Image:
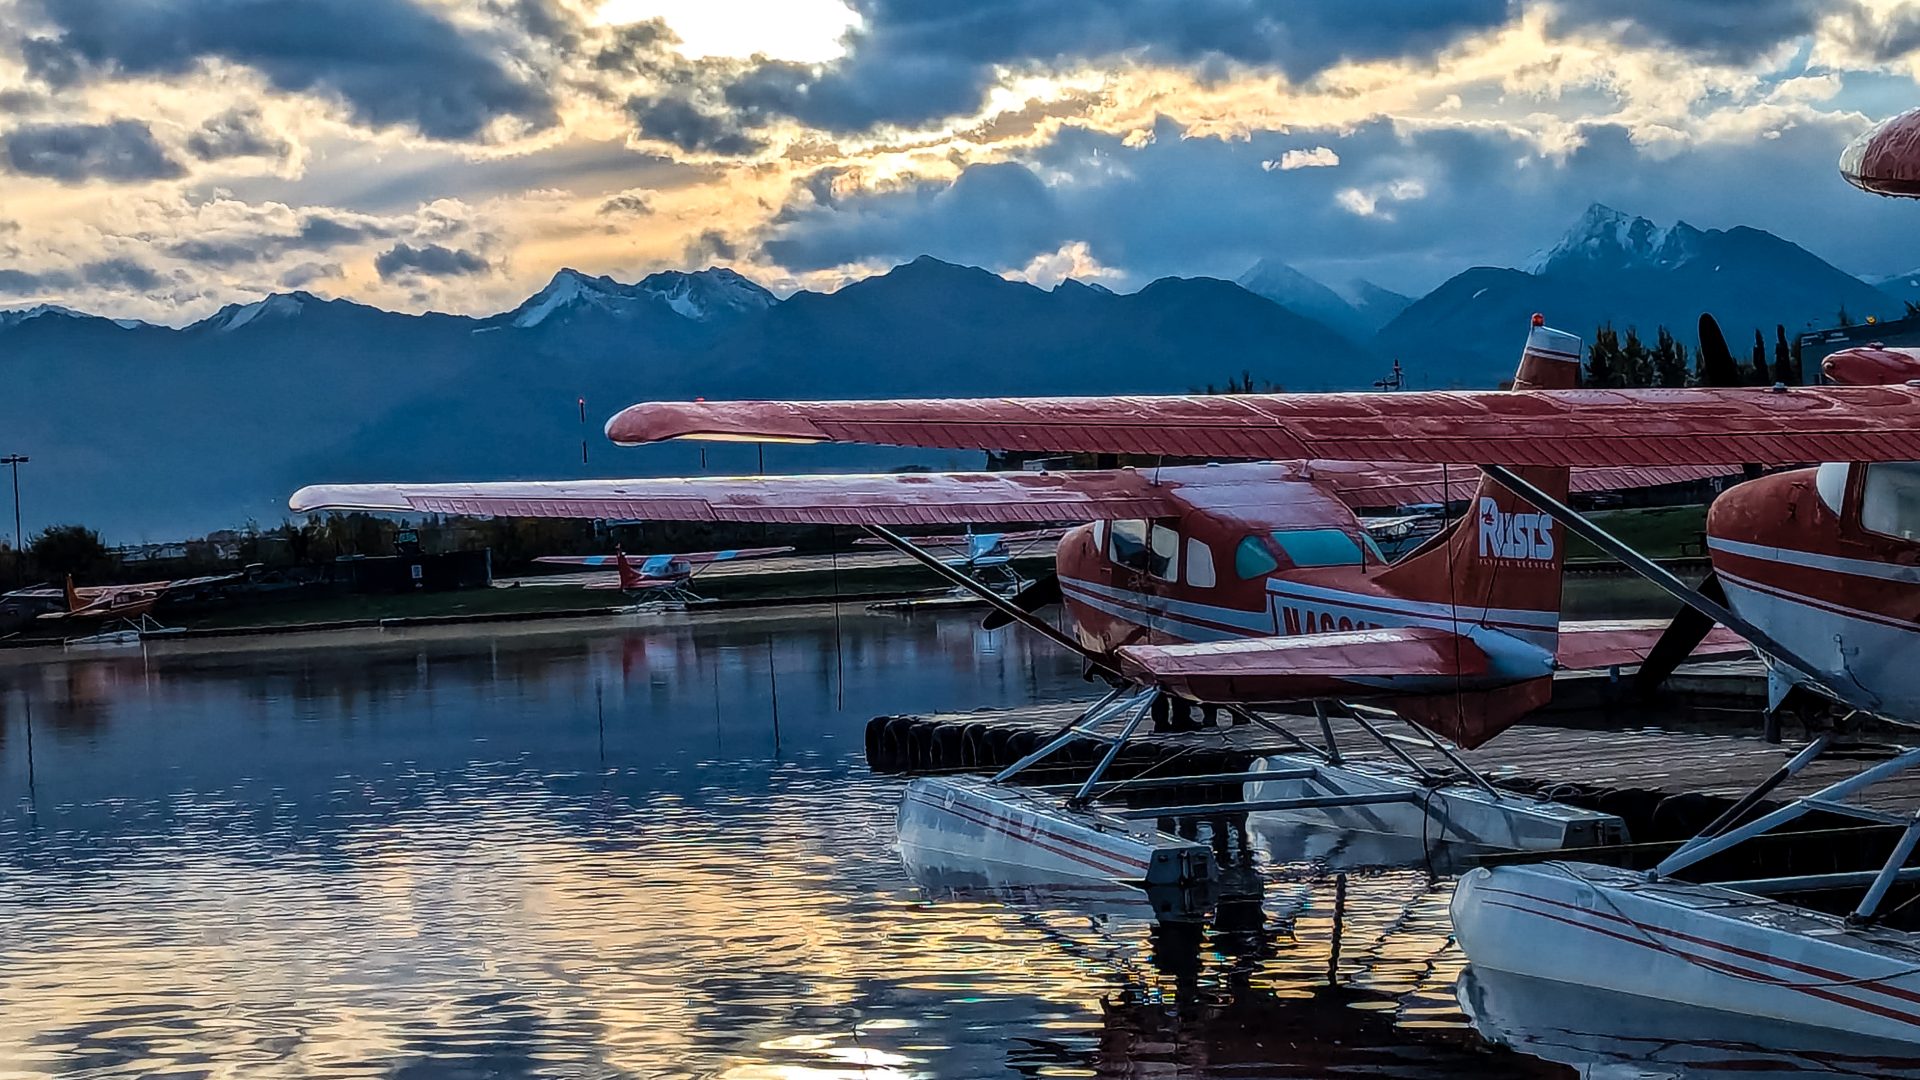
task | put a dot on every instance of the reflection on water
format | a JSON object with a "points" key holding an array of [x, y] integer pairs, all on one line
{"points": [[604, 851]]}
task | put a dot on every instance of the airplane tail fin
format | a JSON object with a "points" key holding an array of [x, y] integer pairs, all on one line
{"points": [[630, 579], [73, 596], [1498, 567]]}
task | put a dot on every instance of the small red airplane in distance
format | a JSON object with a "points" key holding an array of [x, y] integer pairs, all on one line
{"points": [[1246, 583], [129, 602], [663, 577]]}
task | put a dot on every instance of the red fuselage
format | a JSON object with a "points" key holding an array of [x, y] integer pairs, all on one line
{"points": [[1827, 560]]}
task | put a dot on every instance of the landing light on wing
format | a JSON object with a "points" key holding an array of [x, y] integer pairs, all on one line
{"points": [[719, 437]]}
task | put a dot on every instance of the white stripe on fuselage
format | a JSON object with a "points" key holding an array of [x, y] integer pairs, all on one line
{"points": [[1514, 652], [1542, 620], [1815, 561]]}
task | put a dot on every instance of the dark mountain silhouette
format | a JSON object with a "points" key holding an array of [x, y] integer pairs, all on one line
{"points": [[151, 432], [1611, 267]]}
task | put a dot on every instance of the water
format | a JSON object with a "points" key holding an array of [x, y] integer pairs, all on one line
{"points": [[595, 850]]}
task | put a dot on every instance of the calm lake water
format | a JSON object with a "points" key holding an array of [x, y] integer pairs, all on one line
{"points": [[593, 850]]}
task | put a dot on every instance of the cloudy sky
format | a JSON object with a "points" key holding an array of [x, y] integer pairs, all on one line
{"points": [[160, 158]]}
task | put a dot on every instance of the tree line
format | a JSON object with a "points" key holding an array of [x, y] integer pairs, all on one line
{"points": [[1618, 361], [321, 539]]}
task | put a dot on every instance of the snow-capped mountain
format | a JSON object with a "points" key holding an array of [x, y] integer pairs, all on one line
{"points": [[1302, 295], [1632, 273], [1376, 304], [1605, 238], [1904, 287], [39, 311], [704, 296], [707, 295], [278, 306]]}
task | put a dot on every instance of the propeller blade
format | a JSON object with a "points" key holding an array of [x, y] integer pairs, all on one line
{"points": [[1683, 635], [1044, 590], [1717, 365]]}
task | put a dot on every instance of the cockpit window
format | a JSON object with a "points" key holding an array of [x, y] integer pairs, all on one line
{"points": [[1252, 559], [1129, 543], [1830, 483], [1199, 563], [1890, 499], [1318, 547], [1164, 560]]}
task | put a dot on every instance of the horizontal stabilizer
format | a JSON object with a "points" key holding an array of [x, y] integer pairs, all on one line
{"points": [[1307, 666]]}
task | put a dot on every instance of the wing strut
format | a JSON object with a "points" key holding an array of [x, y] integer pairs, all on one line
{"points": [[1577, 524], [999, 603]]}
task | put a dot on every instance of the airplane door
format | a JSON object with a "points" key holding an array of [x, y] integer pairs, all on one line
{"points": [[1159, 577]]}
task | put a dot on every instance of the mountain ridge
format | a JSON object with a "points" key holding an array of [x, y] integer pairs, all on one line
{"points": [[214, 422]]}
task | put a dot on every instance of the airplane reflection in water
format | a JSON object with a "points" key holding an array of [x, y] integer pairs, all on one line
{"points": [[1319, 958], [1600, 1033]]}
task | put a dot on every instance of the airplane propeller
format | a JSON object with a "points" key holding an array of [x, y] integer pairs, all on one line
{"points": [[1689, 628], [1683, 635], [1041, 592], [1717, 365]]}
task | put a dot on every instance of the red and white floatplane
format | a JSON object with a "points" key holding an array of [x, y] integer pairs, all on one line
{"points": [[1224, 589], [1820, 569]]}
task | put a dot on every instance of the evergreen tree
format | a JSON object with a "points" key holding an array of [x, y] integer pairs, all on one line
{"points": [[1785, 368], [1842, 316], [1603, 359], [1669, 360], [1636, 360], [1762, 376]]}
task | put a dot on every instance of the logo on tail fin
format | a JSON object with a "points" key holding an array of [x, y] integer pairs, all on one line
{"points": [[1524, 538]]}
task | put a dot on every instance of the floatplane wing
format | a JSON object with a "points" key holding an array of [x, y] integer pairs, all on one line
{"points": [[1385, 485], [1576, 428], [888, 499], [910, 499]]}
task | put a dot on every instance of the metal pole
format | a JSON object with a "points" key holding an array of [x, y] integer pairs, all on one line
{"points": [[1747, 802], [1094, 717], [998, 602], [1326, 731], [1871, 902], [15, 461], [1081, 797], [1693, 853]]}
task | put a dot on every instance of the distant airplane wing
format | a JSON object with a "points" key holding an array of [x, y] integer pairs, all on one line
{"points": [[1311, 665], [1585, 645], [1472, 427], [1383, 485], [876, 499], [641, 562]]}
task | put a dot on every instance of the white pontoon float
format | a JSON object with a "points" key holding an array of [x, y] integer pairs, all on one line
{"points": [[1728, 946], [1057, 829]]}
